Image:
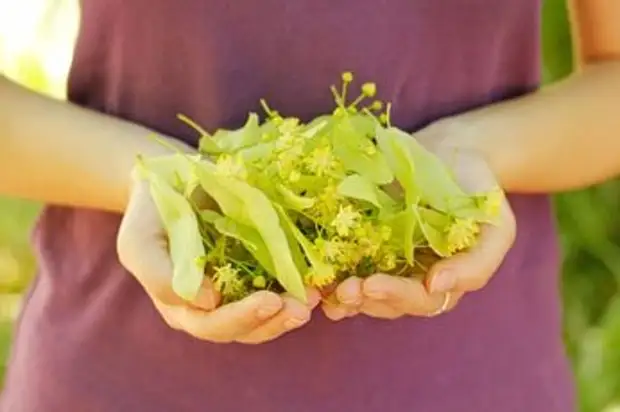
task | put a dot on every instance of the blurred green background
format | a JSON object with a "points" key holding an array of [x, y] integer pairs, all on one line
{"points": [[588, 219]]}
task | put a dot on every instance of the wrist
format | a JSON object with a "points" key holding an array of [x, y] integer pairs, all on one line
{"points": [[478, 134]]}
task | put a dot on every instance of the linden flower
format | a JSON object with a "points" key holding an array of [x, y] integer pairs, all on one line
{"points": [[388, 262], [316, 279], [352, 255], [226, 165], [259, 282], [369, 247], [330, 249], [376, 105], [327, 204], [321, 160], [462, 234], [346, 220], [294, 176], [369, 89], [227, 281]]}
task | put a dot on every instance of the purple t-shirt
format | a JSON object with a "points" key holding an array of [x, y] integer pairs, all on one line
{"points": [[90, 340]]}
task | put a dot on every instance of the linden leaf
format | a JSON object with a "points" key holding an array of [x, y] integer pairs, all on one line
{"points": [[210, 216], [403, 226], [294, 201], [229, 203], [233, 140], [249, 206], [358, 154], [173, 168], [208, 146], [184, 239], [436, 184], [434, 224], [309, 249], [401, 162], [250, 238], [258, 151], [357, 187]]}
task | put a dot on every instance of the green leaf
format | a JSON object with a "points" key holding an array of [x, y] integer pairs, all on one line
{"points": [[249, 206], [401, 162], [434, 180], [250, 238], [173, 168], [298, 255], [403, 226], [358, 187], [210, 216], [294, 201], [310, 250], [184, 239], [258, 151], [208, 146], [233, 140], [350, 146], [434, 224]]}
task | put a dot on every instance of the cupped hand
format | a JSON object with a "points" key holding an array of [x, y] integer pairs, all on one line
{"points": [[448, 280], [142, 250]]}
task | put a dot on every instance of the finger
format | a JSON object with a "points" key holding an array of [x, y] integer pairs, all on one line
{"points": [[472, 270], [380, 310], [406, 295], [345, 300], [349, 292], [143, 251], [334, 312], [293, 315], [337, 312], [450, 302], [228, 322]]}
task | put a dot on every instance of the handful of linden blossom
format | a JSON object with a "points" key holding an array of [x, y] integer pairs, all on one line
{"points": [[310, 204]]}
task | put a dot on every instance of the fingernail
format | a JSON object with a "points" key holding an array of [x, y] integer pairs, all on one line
{"points": [[267, 305], [351, 300], [266, 312], [443, 282], [293, 323], [338, 313], [376, 294]]}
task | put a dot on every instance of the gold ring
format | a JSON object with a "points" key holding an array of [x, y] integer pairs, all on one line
{"points": [[444, 306]]}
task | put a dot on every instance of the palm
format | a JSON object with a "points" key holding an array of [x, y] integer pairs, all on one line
{"points": [[392, 297]]}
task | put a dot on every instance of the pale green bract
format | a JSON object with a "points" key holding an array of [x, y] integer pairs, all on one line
{"points": [[184, 239], [299, 204]]}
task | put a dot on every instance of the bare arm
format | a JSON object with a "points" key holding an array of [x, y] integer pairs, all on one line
{"points": [[564, 136], [55, 152]]}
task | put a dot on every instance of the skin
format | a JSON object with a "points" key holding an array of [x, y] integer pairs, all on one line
{"points": [[510, 143]]}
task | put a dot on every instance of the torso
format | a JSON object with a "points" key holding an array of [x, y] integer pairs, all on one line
{"points": [[90, 340]]}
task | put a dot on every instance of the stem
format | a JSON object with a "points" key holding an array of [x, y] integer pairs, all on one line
{"points": [[193, 125], [344, 92], [337, 97], [357, 101], [266, 108]]}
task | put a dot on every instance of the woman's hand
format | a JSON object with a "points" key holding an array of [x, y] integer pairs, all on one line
{"points": [[143, 251], [390, 297]]}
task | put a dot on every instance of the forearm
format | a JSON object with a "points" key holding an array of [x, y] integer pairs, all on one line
{"points": [[563, 137], [58, 153]]}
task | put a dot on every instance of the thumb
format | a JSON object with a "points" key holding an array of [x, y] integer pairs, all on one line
{"points": [[473, 269]]}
